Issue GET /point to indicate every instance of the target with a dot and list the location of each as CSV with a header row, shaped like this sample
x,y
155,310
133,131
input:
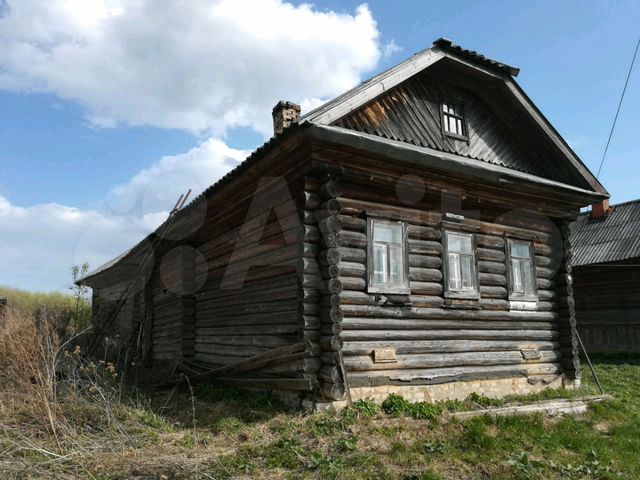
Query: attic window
x,y
453,122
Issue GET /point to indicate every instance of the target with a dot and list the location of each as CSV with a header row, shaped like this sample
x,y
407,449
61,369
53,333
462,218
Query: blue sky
x,y
82,139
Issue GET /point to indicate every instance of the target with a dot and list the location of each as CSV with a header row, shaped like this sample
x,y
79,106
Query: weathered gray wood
x,y
443,346
438,360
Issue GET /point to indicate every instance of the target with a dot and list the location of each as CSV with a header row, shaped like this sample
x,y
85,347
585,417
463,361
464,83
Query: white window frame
x,y
472,293
457,115
402,287
521,295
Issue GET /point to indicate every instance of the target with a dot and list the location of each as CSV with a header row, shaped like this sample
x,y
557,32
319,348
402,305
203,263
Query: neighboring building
x,y
606,272
409,236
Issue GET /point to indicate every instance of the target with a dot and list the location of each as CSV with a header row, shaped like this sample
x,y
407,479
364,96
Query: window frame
x,y
462,117
403,288
463,294
516,296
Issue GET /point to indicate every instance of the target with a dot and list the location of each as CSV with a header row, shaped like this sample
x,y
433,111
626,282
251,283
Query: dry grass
x,y
64,416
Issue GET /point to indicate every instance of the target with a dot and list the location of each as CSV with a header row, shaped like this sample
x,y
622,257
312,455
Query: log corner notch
x,y
566,309
331,377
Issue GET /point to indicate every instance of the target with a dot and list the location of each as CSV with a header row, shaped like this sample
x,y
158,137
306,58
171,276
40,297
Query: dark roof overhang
x,y
425,157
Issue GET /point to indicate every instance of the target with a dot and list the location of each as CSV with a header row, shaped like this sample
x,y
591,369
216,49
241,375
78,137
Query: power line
x,y
618,111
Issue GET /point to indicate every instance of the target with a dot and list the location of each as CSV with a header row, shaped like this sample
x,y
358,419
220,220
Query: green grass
x,y
29,302
244,435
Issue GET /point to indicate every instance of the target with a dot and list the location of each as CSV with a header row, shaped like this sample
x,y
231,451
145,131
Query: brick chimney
x,y
284,115
600,210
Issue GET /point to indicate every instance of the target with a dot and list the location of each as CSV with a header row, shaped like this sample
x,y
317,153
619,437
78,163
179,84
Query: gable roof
x,y
500,83
321,123
410,113
614,238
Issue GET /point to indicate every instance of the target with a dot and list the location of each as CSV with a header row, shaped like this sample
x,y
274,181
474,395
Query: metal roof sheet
x,y
616,237
449,46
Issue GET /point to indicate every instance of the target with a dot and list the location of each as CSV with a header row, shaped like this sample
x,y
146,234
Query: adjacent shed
x,y
410,236
606,266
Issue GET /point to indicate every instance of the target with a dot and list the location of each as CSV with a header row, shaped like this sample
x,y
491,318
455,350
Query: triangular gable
x,y
402,90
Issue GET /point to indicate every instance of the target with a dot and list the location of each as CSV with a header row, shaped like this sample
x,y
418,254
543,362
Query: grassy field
x,y
89,425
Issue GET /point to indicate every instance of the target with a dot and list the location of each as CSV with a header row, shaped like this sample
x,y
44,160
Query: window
x,y
460,265
388,265
522,284
453,123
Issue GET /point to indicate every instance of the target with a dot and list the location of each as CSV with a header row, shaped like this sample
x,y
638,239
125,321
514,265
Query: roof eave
x,y
428,157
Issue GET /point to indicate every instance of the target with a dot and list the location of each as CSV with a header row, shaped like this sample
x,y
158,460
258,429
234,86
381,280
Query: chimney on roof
x,y
284,115
600,210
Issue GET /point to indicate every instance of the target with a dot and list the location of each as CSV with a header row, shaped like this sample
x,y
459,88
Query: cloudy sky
x,y
109,109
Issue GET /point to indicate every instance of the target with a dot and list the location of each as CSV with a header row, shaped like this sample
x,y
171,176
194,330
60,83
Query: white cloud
x,y
200,65
205,66
39,244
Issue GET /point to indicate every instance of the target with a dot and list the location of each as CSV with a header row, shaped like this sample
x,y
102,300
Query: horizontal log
x,y
487,291
352,223
490,241
424,261
426,288
492,267
451,374
354,297
487,254
353,283
437,313
245,340
425,275
424,247
247,330
379,335
420,232
444,346
439,360
362,323
492,279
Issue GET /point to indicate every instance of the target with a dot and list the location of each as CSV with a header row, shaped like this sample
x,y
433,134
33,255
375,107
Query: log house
x,y
409,236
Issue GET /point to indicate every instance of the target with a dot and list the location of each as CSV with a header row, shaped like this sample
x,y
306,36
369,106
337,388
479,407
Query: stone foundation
x,y
494,388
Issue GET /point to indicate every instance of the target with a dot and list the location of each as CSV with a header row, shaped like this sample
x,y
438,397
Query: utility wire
x,y
618,111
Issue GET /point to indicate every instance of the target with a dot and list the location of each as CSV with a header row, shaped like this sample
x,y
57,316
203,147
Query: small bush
x,y
366,408
398,405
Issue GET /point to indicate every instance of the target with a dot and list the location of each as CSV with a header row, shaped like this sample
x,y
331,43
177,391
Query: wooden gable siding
x,y
410,112
434,343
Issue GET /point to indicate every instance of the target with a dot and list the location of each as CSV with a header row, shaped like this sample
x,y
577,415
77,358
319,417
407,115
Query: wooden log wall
x,y
166,287
310,285
255,251
331,377
104,302
433,343
436,339
566,309
607,300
